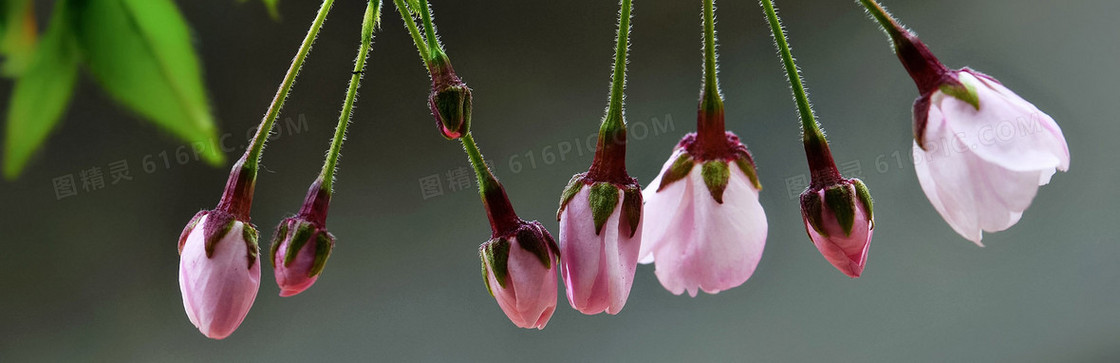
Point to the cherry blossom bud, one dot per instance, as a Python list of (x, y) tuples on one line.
[(839, 220), (301, 245), (299, 252), (600, 236), (450, 101), (519, 268), (219, 273)]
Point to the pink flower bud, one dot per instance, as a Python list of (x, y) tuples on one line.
[(840, 222), (299, 252), (704, 225), (981, 152), (520, 272), (219, 272), (600, 236)]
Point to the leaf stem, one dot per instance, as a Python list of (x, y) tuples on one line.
[(368, 23), (253, 154)]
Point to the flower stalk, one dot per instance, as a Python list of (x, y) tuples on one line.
[(821, 165), (609, 163), (238, 195)]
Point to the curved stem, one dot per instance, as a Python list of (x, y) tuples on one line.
[(808, 120), (410, 24), (499, 211), (618, 80), (253, 154), (329, 166)]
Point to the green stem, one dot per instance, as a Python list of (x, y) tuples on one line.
[(499, 211), (808, 120), (711, 81), (327, 175), (614, 121), (410, 23), (253, 154), (890, 25), (430, 29)]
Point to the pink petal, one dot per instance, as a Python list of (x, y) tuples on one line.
[(217, 291), (598, 269), (708, 246)]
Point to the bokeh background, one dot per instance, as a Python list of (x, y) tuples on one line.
[(93, 276)]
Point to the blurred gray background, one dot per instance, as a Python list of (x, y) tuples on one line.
[(93, 276)]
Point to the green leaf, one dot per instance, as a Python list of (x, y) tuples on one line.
[(18, 36), (41, 94), (140, 51), (272, 10)]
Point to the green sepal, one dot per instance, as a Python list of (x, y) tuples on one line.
[(277, 240), (864, 197), (716, 174), (529, 242), (485, 276), (251, 236), (570, 191), (324, 243), (603, 198), (962, 91), (813, 211), (631, 209), (497, 255), (839, 199), (677, 171), (303, 234), (225, 221), (747, 167)]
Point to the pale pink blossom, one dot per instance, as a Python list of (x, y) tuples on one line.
[(219, 273), (600, 257), (697, 242), (981, 155), (520, 272)]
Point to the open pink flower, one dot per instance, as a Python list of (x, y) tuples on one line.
[(981, 154), (219, 273), (600, 235), (520, 272), (704, 226), (840, 222)]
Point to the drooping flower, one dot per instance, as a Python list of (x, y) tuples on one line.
[(519, 268), (600, 236), (837, 212), (980, 150), (704, 226), (219, 272), (302, 245), (601, 210), (839, 220)]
